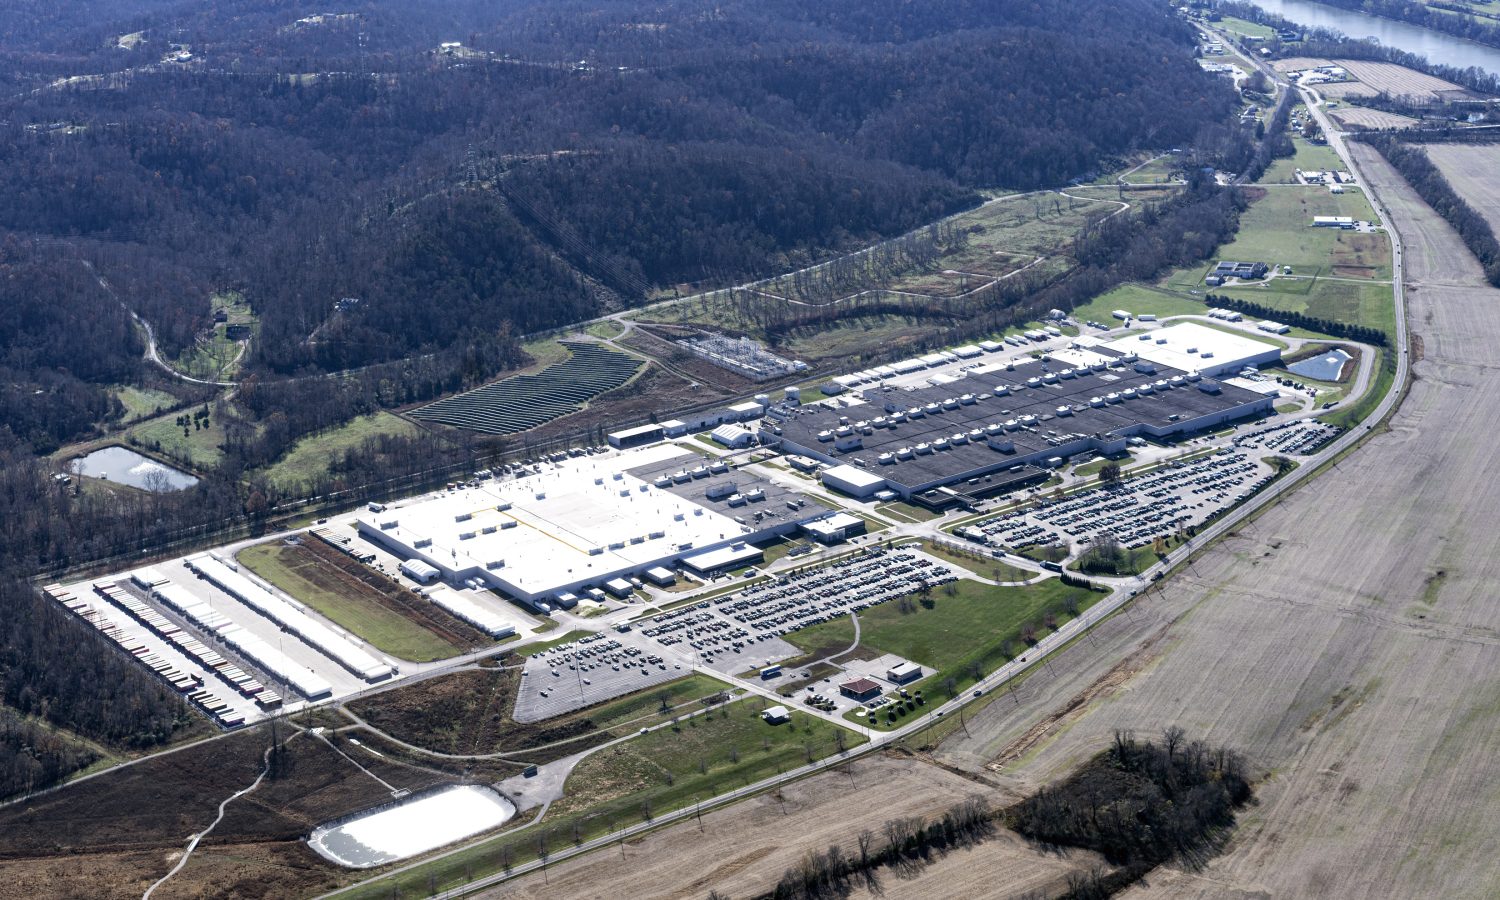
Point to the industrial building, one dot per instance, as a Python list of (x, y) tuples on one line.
[(591, 520), (1190, 347), (835, 528), (1245, 271), (1001, 427), (638, 436)]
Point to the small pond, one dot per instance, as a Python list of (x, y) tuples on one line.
[(1324, 367), (130, 468), (411, 826)]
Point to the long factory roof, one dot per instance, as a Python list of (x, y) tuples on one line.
[(978, 406)]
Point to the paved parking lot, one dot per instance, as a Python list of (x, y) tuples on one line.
[(1138, 509), (1303, 437), (809, 596), (587, 671)]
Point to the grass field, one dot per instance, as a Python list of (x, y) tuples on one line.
[(142, 403), (1156, 171), (196, 447), (967, 631), (1137, 299), (1309, 157), (1245, 27), (309, 457), (1277, 229), (308, 580), (1371, 303)]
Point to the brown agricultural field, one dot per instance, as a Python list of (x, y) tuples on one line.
[(115, 834), (1344, 640), (1361, 117), (1472, 170), (1399, 81), (742, 850)]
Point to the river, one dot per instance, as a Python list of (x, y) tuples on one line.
[(1436, 46)]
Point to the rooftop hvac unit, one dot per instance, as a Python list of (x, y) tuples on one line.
[(508, 523), (959, 439), (617, 545), (495, 564), (656, 535), (388, 524), (503, 507), (678, 517), (419, 543), (463, 517), (466, 535), (619, 477), (489, 529), (886, 459), (596, 551), (541, 495), (598, 481)]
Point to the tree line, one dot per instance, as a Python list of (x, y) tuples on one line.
[(1362, 333), (1428, 181)]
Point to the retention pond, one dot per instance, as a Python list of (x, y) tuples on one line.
[(411, 827), (130, 468), (1323, 367)]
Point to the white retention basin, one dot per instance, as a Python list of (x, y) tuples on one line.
[(411, 827)]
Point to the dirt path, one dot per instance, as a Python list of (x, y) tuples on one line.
[(1346, 640)]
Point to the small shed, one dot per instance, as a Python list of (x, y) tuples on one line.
[(777, 715)]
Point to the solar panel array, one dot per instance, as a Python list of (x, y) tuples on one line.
[(523, 402)]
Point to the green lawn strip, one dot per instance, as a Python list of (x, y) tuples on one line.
[(387, 630), (1350, 414), (310, 457), (899, 510), (565, 637), (978, 562), (665, 770), (970, 629)]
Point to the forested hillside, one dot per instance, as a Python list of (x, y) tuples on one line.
[(568, 158)]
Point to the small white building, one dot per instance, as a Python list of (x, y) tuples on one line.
[(777, 715), (733, 436), (903, 673), (418, 571), (661, 576), (851, 480)]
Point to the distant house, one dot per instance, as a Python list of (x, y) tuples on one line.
[(237, 331), (777, 715), (1245, 271)]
